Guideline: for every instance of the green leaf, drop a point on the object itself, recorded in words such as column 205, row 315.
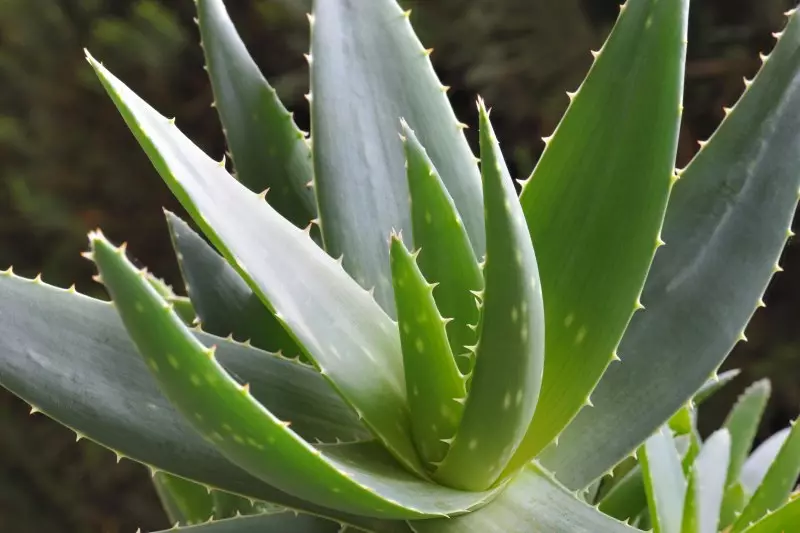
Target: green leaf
column 664, row 482
column 732, row 504
column 533, row 501
column 360, row 479
column 777, row 484
column 369, row 49
column 510, row 353
column 711, row 386
column 268, row 149
column 70, row 357
column 224, row 303
column 447, row 257
column 756, row 466
column 783, row 520
column 267, row 523
column 227, row 505
column 185, row 502
column 435, row 387
column 627, row 498
column 707, row 485
column 742, row 422
column 596, row 201
column 338, row 325
column 725, row 228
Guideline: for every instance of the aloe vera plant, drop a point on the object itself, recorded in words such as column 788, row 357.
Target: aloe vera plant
column 378, row 332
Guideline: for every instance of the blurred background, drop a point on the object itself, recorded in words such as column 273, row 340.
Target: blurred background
column 68, row 164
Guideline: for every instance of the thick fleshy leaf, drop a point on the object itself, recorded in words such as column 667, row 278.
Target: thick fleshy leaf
column 185, row 502
column 664, row 482
column 777, row 485
column 783, row 520
column 368, row 50
column 338, row 325
column 447, row 257
column 281, row 522
column 227, row 505
column 757, row 465
column 596, row 201
column 732, row 504
column 435, row 387
column 532, row 502
column 510, row 354
column 725, row 228
column 361, row 479
column 224, row 303
column 707, row 485
column 269, row 151
column 70, row 357
column 742, row 422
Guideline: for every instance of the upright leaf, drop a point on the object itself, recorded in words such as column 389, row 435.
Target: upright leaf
column 509, row 356
column 338, row 325
column 268, row 149
column 368, row 50
column 435, row 387
column 664, row 482
column 777, row 485
column 742, row 422
column 707, row 485
column 358, row 479
column 757, row 465
column 781, row 521
column 225, row 305
column 725, row 229
column 596, row 201
column 447, row 258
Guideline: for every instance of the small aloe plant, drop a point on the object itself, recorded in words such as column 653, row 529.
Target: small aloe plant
column 380, row 334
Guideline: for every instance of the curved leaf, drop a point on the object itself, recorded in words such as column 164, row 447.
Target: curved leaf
column 725, row 228
column 266, row 523
column 510, row 353
column 436, row 389
column 361, row 479
column 225, row 305
column 268, row 149
column 780, row 521
column 338, row 325
column 70, row 357
column 447, row 257
column 596, row 201
column 368, row 50
column 533, row 501
column 627, row 498
column 757, row 465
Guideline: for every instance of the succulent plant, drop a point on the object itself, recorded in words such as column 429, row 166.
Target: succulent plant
column 368, row 338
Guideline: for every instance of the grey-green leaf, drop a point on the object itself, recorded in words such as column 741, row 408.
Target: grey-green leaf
column 338, row 324
column 268, row 149
column 725, row 228
column 510, row 354
column 756, row 466
column 447, row 258
column 742, row 422
column 360, row 479
column 532, row 502
column 435, row 387
column 707, row 485
column 368, row 50
column 224, row 303
column 665, row 484
column 595, row 204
